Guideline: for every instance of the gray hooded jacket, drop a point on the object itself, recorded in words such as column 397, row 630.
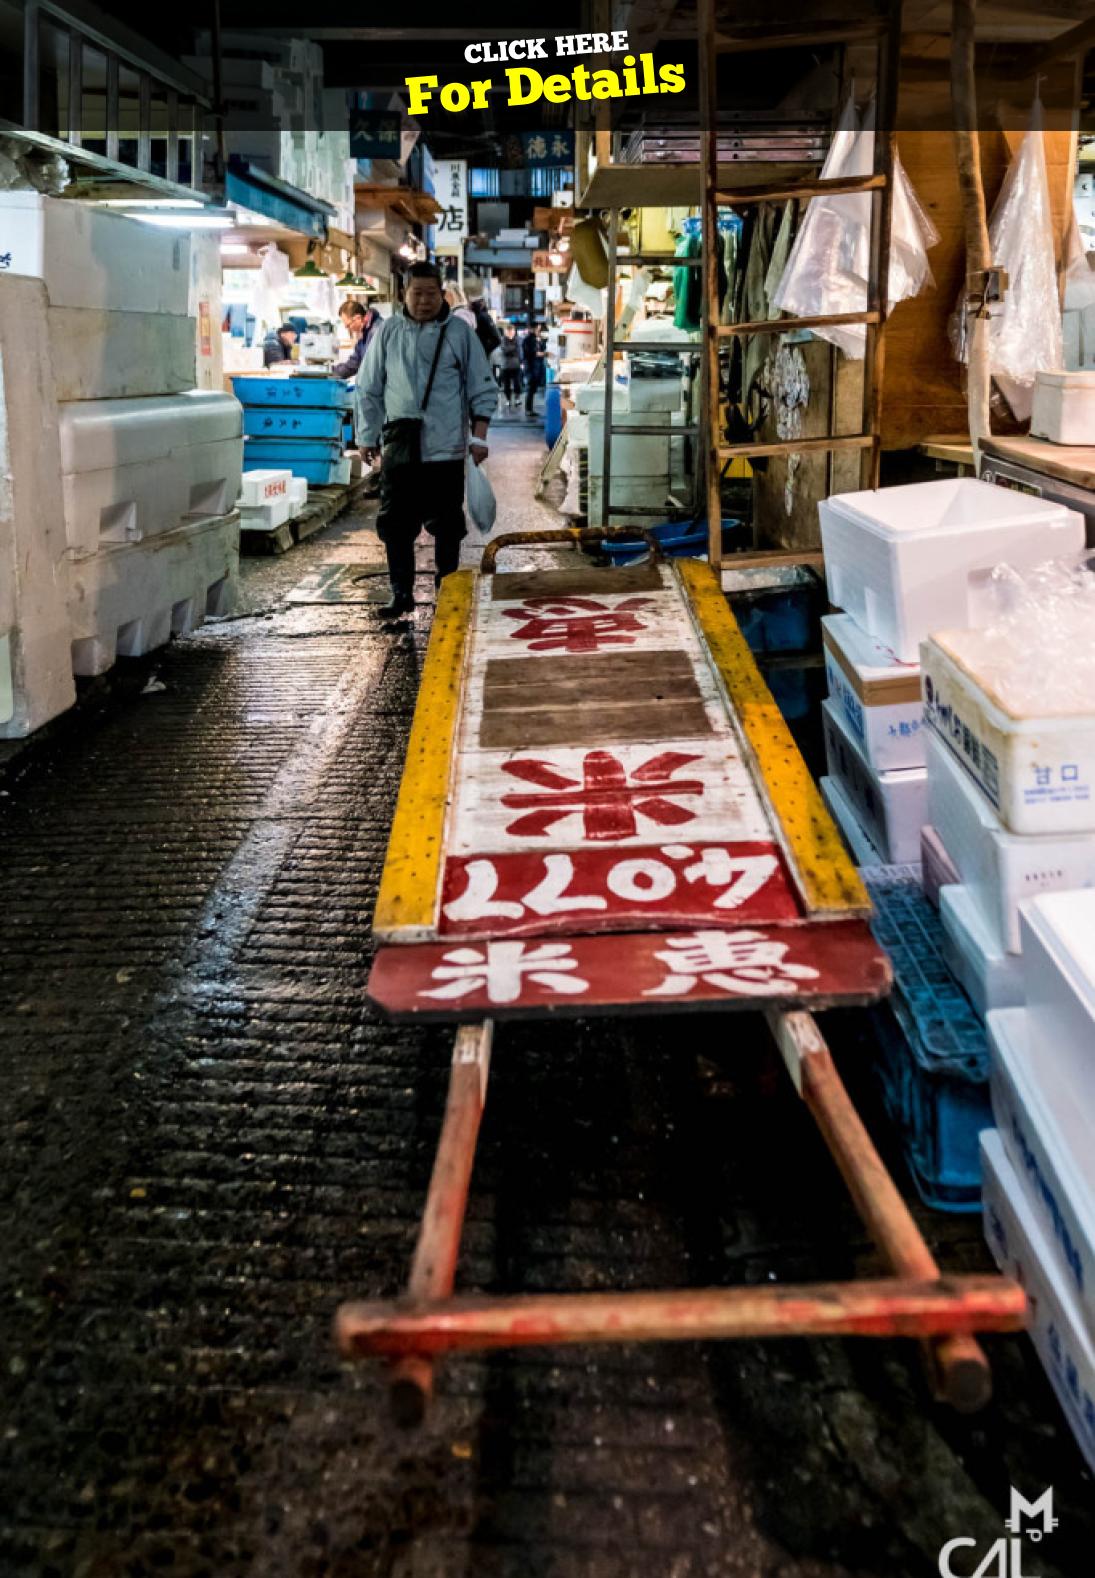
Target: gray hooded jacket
column 393, row 379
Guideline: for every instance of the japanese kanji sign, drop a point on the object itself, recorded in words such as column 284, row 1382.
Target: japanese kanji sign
column 452, row 226
column 375, row 134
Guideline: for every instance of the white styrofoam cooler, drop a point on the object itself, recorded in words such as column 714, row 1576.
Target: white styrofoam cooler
column 1022, row 1250
column 891, row 806
column 1058, row 932
column 878, row 695
column 265, row 487
column 103, row 355
column 266, row 517
column 999, row 869
column 908, row 560
column 130, row 598
column 989, row 977
column 1037, row 772
column 842, row 811
column 134, row 468
column 1044, row 1108
column 89, row 257
column 1064, row 407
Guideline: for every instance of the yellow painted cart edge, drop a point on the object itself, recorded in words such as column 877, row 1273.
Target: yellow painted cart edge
column 828, row 882
column 407, row 904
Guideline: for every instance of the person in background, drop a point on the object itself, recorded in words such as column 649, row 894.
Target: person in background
column 509, row 362
column 485, row 326
column 458, row 305
column 362, row 323
column 533, row 357
column 278, row 345
column 424, row 379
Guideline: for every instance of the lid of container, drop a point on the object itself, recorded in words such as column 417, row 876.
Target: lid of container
column 945, row 508
column 871, row 658
column 1065, row 924
column 1062, row 378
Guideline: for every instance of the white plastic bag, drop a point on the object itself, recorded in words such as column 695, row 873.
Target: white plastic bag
column 482, row 504
column 1025, row 335
column 829, row 265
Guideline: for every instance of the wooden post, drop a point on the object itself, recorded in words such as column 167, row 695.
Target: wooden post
column 974, row 217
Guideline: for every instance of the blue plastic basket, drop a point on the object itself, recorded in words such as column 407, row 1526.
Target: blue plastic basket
column 277, row 452
column 677, row 540
column 316, row 392
column 292, row 422
column 933, row 1056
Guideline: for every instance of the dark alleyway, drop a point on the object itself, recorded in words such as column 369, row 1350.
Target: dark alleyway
column 209, row 1140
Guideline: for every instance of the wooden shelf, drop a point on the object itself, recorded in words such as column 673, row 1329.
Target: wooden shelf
column 678, row 185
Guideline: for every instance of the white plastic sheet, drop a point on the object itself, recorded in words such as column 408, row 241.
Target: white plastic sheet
column 1037, row 648
column 1025, row 334
column 482, row 504
column 829, row 266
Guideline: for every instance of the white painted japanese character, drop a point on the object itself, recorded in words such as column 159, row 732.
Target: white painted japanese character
column 743, row 962
column 548, row 897
column 477, row 902
column 741, row 875
column 498, row 969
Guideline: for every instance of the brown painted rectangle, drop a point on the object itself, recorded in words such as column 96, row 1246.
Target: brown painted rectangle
column 582, row 581
column 604, row 699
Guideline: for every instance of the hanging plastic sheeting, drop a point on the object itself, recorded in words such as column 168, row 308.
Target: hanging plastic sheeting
column 829, row 266
column 1025, row 334
column 585, row 296
column 273, row 283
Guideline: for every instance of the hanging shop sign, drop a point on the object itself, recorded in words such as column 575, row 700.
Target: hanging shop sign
column 548, row 148
column 549, row 262
column 375, row 134
column 452, row 228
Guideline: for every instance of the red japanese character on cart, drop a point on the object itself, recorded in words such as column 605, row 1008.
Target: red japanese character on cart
column 741, row 962
column 609, row 800
column 578, row 624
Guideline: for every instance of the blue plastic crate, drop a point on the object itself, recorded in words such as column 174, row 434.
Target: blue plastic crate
column 316, row 392
column 276, row 452
column 933, row 1059
column 677, row 540
column 284, row 421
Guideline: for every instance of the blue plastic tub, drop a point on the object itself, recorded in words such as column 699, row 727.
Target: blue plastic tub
column 677, row 540
column 275, row 452
column 292, row 422
column 319, row 392
column 317, row 473
column 933, row 1056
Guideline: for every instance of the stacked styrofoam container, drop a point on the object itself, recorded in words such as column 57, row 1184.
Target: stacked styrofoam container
column 147, row 466
column 1039, row 1162
column 1011, row 794
column 295, row 424
column 901, row 562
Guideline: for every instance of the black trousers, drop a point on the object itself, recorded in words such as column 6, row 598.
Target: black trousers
column 431, row 495
column 511, row 383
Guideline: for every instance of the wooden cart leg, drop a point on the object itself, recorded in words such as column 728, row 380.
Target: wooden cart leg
column 433, row 1268
column 958, row 1370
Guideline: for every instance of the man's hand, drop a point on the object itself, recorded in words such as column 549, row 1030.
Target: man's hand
column 371, row 452
column 479, row 450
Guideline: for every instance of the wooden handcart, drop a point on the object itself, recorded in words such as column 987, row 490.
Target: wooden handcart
column 602, row 812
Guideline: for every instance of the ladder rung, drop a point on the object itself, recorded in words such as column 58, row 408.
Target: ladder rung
column 677, row 347
column 795, row 446
column 727, row 331
column 841, row 186
column 650, row 428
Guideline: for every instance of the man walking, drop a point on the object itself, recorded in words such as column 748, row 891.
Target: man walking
column 533, row 357
column 423, row 380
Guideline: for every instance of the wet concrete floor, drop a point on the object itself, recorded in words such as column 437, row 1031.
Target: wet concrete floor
column 209, row 1140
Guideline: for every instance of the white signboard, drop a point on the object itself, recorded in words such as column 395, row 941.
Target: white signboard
column 453, row 227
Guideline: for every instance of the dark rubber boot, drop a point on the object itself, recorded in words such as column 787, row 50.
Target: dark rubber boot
column 400, row 605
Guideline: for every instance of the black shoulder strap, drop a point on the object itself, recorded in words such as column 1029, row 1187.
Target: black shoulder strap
column 433, row 368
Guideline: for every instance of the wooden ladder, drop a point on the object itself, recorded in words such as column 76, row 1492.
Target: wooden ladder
column 885, row 34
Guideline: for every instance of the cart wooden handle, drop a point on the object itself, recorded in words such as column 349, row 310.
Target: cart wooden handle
column 571, row 534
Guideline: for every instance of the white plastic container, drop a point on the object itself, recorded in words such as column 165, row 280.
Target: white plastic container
column 842, row 811
column 266, row 487
column 89, row 257
column 1064, row 407
column 1045, row 1112
column 266, row 517
column 908, row 560
column 1058, row 933
column 1037, row 772
column 878, row 697
column 1021, row 1250
column 298, row 494
column 989, row 977
column 999, row 869
column 890, row 806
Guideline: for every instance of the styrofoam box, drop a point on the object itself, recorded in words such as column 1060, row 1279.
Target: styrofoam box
column 1037, row 772
column 265, row 517
column 130, row 598
column 101, row 355
column 1021, row 1250
column 998, row 868
column 841, row 810
column 1064, row 407
column 878, row 696
column 990, row 977
column 1058, row 934
column 891, row 806
column 937, row 868
column 264, row 487
column 298, row 493
column 1044, row 1106
column 133, row 468
column 89, row 257
column 908, row 560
